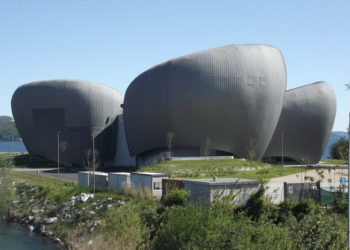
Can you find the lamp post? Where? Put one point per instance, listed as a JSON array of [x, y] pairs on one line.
[[58, 153], [282, 151], [93, 158]]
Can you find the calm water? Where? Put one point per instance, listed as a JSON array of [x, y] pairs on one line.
[[14, 236], [12, 146]]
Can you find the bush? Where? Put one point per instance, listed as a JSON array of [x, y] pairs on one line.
[[177, 197], [257, 205], [125, 225], [304, 207], [183, 228], [340, 202], [320, 231]]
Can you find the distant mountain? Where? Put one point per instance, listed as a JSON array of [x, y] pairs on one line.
[[5, 118], [333, 138], [8, 130]]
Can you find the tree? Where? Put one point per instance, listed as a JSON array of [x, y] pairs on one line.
[[8, 130], [339, 150], [92, 163]]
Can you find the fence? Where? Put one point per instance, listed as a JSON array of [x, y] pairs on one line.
[[301, 191]]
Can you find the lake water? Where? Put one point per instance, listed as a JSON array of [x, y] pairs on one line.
[[14, 236], [12, 146]]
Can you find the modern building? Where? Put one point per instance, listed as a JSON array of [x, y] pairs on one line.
[[71, 113], [222, 101], [226, 101], [305, 124]]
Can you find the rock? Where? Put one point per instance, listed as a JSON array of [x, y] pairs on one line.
[[35, 211], [42, 229], [109, 205], [31, 228], [30, 218], [92, 213], [121, 203], [69, 203], [58, 240], [15, 202], [92, 229], [50, 220], [83, 197], [90, 242], [109, 199]]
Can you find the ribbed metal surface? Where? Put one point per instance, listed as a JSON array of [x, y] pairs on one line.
[[229, 97], [76, 108], [307, 120]]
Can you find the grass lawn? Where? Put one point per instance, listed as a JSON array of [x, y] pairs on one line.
[[25, 161], [221, 168], [333, 161]]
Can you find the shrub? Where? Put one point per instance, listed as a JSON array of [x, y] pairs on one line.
[[320, 231], [183, 228], [177, 197], [257, 205], [304, 207], [125, 225], [340, 202]]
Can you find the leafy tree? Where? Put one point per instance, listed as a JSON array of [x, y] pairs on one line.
[[340, 149], [8, 130]]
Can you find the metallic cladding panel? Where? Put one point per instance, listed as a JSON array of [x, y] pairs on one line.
[[307, 120], [230, 96], [74, 107]]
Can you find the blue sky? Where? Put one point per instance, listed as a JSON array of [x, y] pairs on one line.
[[111, 42]]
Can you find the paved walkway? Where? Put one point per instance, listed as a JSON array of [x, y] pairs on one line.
[[52, 172], [328, 177]]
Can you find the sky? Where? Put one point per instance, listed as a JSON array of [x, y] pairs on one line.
[[112, 42]]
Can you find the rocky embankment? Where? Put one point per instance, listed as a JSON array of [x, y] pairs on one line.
[[49, 217]]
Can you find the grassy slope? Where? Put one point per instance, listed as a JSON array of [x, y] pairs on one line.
[[333, 161], [221, 168]]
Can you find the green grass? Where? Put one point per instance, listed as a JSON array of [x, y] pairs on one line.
[[25, 161], [333, 161], [221, 168]]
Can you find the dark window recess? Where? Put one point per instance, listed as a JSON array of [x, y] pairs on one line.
[[48, 118], [107, 120]]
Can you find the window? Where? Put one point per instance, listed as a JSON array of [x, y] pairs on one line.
[[157, 185]]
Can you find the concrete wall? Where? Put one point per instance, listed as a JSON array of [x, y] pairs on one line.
[[205, 192], [275, 192]]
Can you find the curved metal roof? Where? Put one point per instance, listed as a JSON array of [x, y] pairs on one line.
[[307, 120], [74, 107], [230, 96]]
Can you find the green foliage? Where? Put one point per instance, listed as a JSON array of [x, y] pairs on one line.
[[304, 207], [257, 205], [125, 224], [340, 149], [177, 197], [340, 203], [8, 130], [320, 231], [183, 228], [6, 191]]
